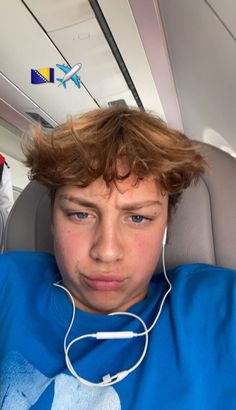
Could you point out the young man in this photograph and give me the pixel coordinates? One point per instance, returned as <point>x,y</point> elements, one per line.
<point>94,328</point>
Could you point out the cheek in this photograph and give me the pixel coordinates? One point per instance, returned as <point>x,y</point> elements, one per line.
<point>147,251</point>
<point>69,248</point>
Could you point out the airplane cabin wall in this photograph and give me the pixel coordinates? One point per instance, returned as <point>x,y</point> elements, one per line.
<point>202,49</point>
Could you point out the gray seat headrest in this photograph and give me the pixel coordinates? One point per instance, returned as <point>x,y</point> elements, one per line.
<point>3,219</point>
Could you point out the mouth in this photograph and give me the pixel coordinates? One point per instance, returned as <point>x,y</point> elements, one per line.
<point>104,283</point>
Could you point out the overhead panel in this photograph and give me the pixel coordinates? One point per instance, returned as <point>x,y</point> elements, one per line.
<point>20,101</point>
<point>88,46</point>
<point>124,28</point>
<point>225,11</point>
<point>74,29</point>
<point>60,14</point>
<point>154,43</point>
<point>42,34</point>
<point>27,47</point>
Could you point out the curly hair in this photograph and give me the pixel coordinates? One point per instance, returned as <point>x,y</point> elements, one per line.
<point>88,147</point>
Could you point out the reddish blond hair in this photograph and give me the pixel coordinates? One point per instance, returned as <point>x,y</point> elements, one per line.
<point>88,147</point>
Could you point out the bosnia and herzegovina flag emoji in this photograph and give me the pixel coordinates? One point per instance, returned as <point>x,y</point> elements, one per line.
<point>42,75</point>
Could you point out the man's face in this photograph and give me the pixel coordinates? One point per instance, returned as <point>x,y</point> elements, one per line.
<point>108,240</point>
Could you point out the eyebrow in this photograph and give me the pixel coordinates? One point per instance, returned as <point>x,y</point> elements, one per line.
<point>127,207</point>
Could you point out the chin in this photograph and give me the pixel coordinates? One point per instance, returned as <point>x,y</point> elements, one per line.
<point>103,309</point>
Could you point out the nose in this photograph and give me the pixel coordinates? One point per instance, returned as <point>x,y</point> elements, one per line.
<point>107,244</point>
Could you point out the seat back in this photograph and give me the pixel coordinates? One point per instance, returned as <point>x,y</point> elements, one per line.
<point>203,229</point>
<point>3,219</point>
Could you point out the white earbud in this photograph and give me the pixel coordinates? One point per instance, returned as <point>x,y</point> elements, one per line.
<point>164,237</point>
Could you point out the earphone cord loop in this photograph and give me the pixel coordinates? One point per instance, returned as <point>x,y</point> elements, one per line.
<point>110,380</point>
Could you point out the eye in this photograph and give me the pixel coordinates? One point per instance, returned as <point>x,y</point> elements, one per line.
<point>138,219</point>
<point>79,216</point>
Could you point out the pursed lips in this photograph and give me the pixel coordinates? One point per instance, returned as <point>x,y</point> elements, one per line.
<point>105,281</point>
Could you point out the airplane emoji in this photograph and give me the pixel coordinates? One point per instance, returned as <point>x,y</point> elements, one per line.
<point>70,74</point>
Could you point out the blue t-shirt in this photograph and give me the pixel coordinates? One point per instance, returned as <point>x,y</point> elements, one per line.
<point>190,361</point>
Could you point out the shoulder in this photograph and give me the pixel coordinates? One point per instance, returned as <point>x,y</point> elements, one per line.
<point>22,257</point>
<point>202,273</point>
<point>206,283</point>
<point>201,313</point>
<point>27,264</point>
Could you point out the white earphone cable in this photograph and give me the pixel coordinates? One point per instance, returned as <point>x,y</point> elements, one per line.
<point>109,380</point>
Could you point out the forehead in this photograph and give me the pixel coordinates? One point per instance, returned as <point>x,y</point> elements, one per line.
<point>129,189</point>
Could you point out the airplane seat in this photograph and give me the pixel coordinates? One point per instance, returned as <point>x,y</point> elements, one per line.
<point>202,229</point>
<point>3,220</point>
